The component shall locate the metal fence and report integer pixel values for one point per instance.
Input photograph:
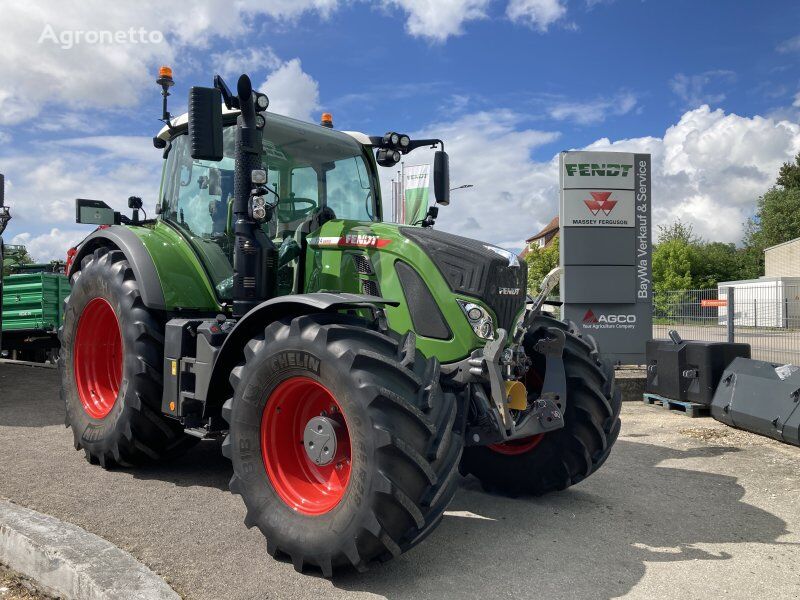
(764, 314)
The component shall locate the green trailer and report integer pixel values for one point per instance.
(33, 309)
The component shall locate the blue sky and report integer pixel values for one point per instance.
(711, 88)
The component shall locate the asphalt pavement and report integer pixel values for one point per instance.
(683, 508)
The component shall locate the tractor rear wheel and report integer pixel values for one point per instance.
(110, 363)
(559, 459)
(344, 446)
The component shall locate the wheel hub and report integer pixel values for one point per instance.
(319, 440)
(305, 446)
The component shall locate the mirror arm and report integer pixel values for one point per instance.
(432, 143)
(228, 98)
(377, 142)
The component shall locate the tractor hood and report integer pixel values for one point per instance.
(477, 269)
(429, 272)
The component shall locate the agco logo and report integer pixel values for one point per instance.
(608, 321)
(600, 203)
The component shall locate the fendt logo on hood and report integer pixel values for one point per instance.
(600, 203)
(608, 321)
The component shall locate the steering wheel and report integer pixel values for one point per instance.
(288, 210)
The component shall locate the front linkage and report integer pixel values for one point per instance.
(491, 376)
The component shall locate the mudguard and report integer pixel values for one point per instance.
(232, 351)
(144, 269)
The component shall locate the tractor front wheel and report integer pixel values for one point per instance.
(556, 460)
(111, 357)
(344, 446)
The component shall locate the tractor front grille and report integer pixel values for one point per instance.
(476, 269)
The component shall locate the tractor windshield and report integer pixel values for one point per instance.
(310, 167)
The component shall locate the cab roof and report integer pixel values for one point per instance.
(182, 121)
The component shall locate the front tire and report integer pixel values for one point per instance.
(556, 460)
(396, 463)
(110, 364)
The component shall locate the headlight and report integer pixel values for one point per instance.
(479, 318)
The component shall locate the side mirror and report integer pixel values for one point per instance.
(441, 177)
(205, 123)
(95, 212)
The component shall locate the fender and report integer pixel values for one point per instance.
(144, 269)
(232, 350)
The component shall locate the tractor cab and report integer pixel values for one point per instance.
(314, 175)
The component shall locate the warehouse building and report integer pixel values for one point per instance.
(772, 300)
(783, 260)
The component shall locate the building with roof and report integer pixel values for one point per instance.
(544, 238)
(783, 260)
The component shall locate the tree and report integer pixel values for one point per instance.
(777, 218)
(672, 265)
(678, 231)
(715, 262)
(789, 175)
(15, 255)
(540, 262)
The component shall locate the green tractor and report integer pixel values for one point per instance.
(352, 368)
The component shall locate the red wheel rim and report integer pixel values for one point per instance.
(306, 487)
(515, 447)
(97, 358)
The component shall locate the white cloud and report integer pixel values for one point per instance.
(796, 100)
(48, 246)
(538, 14)
(233, 63)
(511, 193)
(113, 75)
(709, 169)
(292, 91)
(42, 184)
(439, 19)
(593, 111)
(790, 45)
(703, 88)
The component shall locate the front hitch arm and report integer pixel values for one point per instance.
(547, 412)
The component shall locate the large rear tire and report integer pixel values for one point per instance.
(397, 452)
(110, 364)
(557, 460)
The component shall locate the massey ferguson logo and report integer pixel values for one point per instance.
(600, 203)
(609, 321)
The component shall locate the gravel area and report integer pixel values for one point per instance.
(14, 586)
(683, 508)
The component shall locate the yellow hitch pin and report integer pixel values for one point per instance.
(517, 395)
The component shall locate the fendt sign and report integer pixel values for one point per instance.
(605, 249)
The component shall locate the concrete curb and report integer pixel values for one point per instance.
(631, 383)
(71, 562)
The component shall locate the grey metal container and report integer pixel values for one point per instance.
(761, 397)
